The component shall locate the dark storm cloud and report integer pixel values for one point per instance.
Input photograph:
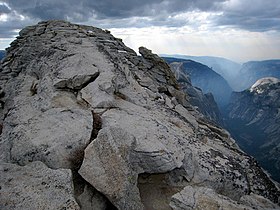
(130, 8)
(9, 29)
(109, 13)
(4, 9)
(50, 9)
(253, 15)
(251, 23)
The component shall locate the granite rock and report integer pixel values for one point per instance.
(35, 186)
(77, 98)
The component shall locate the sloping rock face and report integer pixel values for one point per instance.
(228, 69)
(78, 100)
(257, 114)
(205, 78)
(205, 103)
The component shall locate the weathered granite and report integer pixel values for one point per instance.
(204, 198)
(35, 186)
(119, 118)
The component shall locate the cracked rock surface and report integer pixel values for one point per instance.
(204, 198)
(35, 186)
(79, 101)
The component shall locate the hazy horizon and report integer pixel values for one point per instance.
(198, 55)
(234, 29)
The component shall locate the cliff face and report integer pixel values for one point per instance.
(205, 78)
(205, 103)
(256, 112)
(228, 69)
(89, 124)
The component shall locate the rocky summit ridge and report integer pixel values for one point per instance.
(88, 124)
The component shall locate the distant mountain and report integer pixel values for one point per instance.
(205, 103)
(2, 54)
(228, 69)
(251, 71)
(205, 78)
(254, 121)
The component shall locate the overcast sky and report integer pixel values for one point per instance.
(240, 30)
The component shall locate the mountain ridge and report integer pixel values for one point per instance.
(110, 129)
(205, 103)
(205, 78)
(239, 76)
(227, 68)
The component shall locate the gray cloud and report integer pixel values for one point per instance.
(251, 23)
(253, 15)
(4, 9)
(49, 9)
(9, 29)
(105, 13)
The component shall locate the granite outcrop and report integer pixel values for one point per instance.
(87, 120)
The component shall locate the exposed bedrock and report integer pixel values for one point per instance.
(113, 129)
